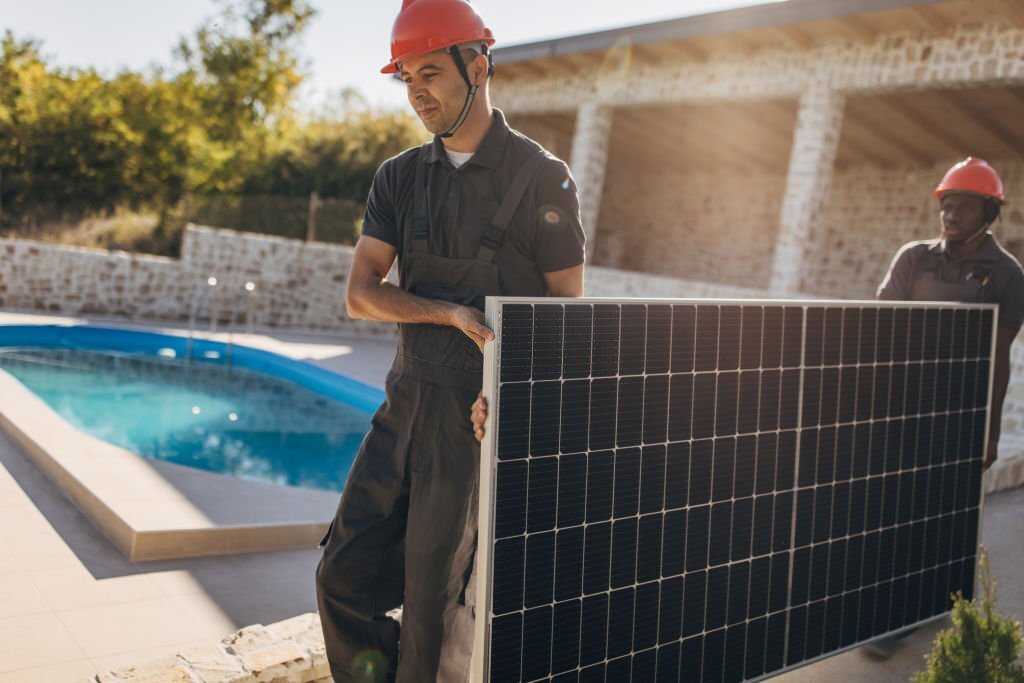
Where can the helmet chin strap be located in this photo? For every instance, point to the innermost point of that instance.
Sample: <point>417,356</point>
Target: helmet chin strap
<point>462,115</point>
<point>981,230</point>
<point>470,96</point>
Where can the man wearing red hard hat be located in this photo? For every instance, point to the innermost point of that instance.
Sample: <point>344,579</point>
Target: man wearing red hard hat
<point>964,264</point>
<point>480,210</point>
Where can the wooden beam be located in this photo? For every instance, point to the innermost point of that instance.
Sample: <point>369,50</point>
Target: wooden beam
<point>859,28</point>
<point>848,146</point>
<point>889,140</point>
<point>983,123</point>
<point>793,37</point>
<point>685,50</point>
<point>1011,10</point>
<point>931,19</point>
<point>941,134</point>
<point>650,55</point>
<point>776,116</point>
<point>971,134</point>
<point>893,108</point>
<point>1016,93</point>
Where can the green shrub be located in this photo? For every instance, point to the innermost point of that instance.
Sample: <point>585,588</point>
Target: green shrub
<point>982,646</point>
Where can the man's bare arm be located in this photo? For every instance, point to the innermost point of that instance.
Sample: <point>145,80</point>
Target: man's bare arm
<point>568,282</point>
<point>369,296</point>
<point>1000,381</point>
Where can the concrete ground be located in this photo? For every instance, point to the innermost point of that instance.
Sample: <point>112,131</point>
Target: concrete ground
<point>71,605</point>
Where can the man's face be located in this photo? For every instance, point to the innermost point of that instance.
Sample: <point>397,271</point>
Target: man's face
<point>435,89</point>
<point>962,216</point>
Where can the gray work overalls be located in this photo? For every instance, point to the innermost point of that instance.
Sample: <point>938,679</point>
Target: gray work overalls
<point>405,530</point>
<point>939,276</point>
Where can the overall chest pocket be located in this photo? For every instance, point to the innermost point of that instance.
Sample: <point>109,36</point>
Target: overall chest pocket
<point>463,227</point>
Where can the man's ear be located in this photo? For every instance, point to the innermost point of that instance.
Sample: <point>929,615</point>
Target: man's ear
<point>480,66</point>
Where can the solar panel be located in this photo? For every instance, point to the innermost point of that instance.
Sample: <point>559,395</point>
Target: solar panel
<point>723,490</point>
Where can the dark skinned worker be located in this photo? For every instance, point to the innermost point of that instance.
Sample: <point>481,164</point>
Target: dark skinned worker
<point>480,210</point>
<point>964,264</point>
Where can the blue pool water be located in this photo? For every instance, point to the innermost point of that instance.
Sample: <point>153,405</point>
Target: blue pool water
<point>300,426</point>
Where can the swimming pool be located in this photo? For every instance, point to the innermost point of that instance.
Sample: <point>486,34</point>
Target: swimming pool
<point>232,410</point>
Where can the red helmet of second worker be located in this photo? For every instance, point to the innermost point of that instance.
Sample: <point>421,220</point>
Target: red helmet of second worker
<point>973,176</point>
<point>425,26</point>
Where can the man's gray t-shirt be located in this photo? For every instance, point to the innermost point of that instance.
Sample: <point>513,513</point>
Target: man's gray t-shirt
<point>928,271</point>
<point>544,235</point>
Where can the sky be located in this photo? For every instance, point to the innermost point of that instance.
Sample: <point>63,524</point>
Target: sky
<point>344,47</point>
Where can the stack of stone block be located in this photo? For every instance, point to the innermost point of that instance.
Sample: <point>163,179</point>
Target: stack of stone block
<point>290,651</point>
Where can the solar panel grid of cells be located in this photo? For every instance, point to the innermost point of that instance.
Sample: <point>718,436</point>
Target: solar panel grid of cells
<point>719,491</point>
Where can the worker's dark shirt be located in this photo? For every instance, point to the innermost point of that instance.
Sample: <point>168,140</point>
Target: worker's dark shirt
<point>928,271</point>
<point>544,235</point>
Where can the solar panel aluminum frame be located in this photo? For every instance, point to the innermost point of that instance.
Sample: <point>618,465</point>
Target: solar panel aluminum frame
<point>484,569</point>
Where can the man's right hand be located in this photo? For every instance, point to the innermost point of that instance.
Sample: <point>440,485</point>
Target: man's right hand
<point>470,321</point>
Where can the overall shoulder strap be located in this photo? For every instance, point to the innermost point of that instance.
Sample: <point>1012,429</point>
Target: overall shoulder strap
<point>494,233</point>
<point>420,217</point>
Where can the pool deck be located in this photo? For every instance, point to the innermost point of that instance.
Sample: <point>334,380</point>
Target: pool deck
<point>72,605</point>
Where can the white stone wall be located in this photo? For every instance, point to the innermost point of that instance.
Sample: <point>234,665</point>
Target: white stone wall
<point>289,651</point>
<point>301,285</point>
<point>45,277</point>
<point>589,159</point>
<point>720,228</point>
<point>298,285</point>
<point>614,283</point>
<point>969,54</point>
<point>871,213</point>
<point>815,141</point>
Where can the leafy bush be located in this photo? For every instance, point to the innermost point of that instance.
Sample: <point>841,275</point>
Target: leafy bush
<point>982,646</point>
<point>220,122</point>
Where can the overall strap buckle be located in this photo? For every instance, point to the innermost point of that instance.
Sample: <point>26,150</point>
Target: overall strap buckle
<point>493,236</point>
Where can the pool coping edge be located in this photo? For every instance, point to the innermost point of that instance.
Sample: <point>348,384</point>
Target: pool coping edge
<point>140,530</point>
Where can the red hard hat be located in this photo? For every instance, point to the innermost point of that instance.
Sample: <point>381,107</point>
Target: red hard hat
<point>974,176</point>
<point>425,26</point>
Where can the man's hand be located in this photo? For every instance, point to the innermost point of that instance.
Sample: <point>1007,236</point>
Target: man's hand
<point>470,321</point>
<point>478,416</point>
<point>990,453</point>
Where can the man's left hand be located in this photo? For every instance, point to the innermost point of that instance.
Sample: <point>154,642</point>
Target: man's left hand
<point>479,416</point>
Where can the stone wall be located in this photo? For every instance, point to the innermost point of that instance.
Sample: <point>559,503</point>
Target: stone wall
<point>968,54</point>
<point>298,285</point>
<point>686,226</point>
<point>46,277</point>
<point>871,213</point>
<point>301,285</point>
<point>290,651</point>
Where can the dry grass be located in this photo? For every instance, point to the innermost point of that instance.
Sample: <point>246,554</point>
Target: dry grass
<point>139,232</point>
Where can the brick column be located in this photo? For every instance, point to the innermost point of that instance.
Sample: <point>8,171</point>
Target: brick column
<point>589,156</point>
<point>811,161</point>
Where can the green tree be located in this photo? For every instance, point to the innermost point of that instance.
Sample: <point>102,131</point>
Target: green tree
<point>982,646</point>
<point>335,157</point>
<point>242,72</point>
<point>61,134</point>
